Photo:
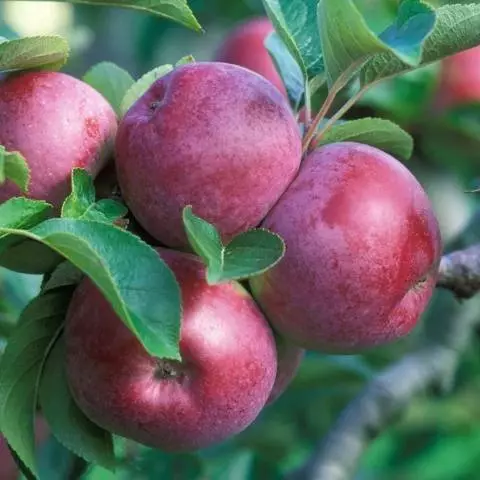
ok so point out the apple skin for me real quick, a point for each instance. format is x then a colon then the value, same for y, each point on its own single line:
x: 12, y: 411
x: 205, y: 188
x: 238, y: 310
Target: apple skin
x: 244, y: 46
x: 57, y: 122
x: 226, y: 376
x: 361, y: 236
x: 289, y: 359
x: 459, y: 80
x: 211, y: 135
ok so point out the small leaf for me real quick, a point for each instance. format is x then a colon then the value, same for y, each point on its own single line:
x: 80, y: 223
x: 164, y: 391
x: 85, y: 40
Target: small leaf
x: 82, y: 196
x: 142, y: 85
x: 248, y: 254
x: 46, y: 52
x: 64, y: 275
x: 457, y: 28
x: 111, y: 81
x: 14, y: 167
x: 288, y: 69
x: 185, y: 60
x: 107, y: 211
x: 20, y: 367
x: 22, y: 213
x: 176, y: 10
x: 131, y: 275
x: 68, y: 423
x: 376, y: 132
x: 348, y: 42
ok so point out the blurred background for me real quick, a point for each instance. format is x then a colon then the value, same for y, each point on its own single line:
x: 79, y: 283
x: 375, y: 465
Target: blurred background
x: 439, y: 437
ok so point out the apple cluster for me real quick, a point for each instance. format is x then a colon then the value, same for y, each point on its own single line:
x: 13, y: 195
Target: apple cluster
x: 362, y: 242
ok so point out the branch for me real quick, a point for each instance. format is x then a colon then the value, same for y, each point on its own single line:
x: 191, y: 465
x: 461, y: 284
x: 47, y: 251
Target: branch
x: 430, y: 367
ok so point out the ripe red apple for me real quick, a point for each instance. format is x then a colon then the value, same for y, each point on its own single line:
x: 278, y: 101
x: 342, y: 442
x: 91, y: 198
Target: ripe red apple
x: 459, y: 79
x: 244, y: 46
x: 227, y: 371
x: 212, y: 135
x: 289, y: 358
x: 57, y: 122
x: 363, y: 248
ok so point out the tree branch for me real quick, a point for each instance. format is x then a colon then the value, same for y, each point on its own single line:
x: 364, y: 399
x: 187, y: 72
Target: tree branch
x: 431, y: 366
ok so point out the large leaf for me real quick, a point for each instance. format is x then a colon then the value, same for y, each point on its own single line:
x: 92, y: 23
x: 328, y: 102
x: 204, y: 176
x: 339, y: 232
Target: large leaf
x: 457, y: 28
x: 248, y: 254
x: 46, y: 52
x: 111, y: 81
x: 348, y: 42
x: 376, y: 132
x: 68, y: 423
x: 20, y: 368
x: 135, y: 280
x: 176, y: 10
x: 14, y: 167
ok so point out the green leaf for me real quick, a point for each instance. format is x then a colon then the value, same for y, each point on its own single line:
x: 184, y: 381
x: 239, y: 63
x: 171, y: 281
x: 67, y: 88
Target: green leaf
x: 248, y: 254
x: 176, y: 10
x: 20, y: 368
x: 348, y: 42
x: 45, y: 52
x: 376, y: 132
x: 14, y: 167
x: 142, y: 85
x: 111, y: 81
x: 185, y: 60
x: 81, y: 202
x: 131, y: 275
x: 457, y: 28
x: 23, y: 213
x: 68, y: 423
x: 295, y: 23
x: 64, y: 275
x: 288, y: 69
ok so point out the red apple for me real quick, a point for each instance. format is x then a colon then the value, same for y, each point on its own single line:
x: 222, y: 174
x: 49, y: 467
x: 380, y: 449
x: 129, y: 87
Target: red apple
x: 244, y: 46
x: 459, y: 79
x: 227, y: 371
x: 57, y: 122
x: 363, y: 248
x: 212, y: 135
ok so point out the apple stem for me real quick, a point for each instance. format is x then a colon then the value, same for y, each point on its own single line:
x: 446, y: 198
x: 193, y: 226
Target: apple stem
x: 168, y: 369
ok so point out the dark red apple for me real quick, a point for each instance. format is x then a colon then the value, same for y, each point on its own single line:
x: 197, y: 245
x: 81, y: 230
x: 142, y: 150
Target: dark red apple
x: 57, y: 122
x: 244, y: 46
x: 211, y: 135
x: 459, y: 79
x: 226, y: 375
x: 363, y: 248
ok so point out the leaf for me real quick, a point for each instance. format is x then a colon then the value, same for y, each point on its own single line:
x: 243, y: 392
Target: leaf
x: 68, y: 423
x: 111, y: 81
x: 176, y: 10
x: 45, y: 52
x: 185, y: 60
x: 348, y: 42
x: 288, y: 69
x: 106, y: 210
x: 22, y: 213
x: 142, y: 85
x: 14, y: 167
x: 64, y: 275
x: 20, y: 367
x: 376, y: 132
x: 131, y: 275
x: 457, y: 28
x: 295, y: 23
x: 248, y: 254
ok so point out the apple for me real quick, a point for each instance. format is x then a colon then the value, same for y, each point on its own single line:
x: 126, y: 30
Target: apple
x: 363, y: 249
x: 459, y: 80
x: 227, y: 371
x: 57, y: 123
x: 289, y: 359
x: 212, y: 135
x: 244, y: 46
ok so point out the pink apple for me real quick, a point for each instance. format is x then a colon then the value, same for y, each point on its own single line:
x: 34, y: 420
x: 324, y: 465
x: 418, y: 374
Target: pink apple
x: 57, y: 123
x: 244, y: 46
x: 211, y: 135
x: 363, y: 248
x: 226, y: 375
